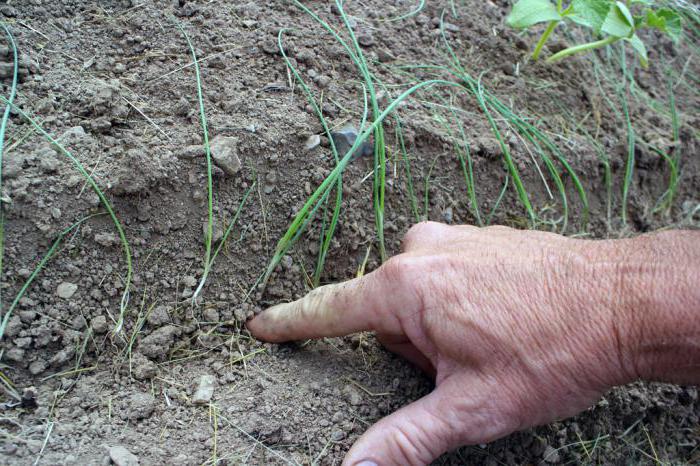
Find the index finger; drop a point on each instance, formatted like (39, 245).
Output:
(370, 302)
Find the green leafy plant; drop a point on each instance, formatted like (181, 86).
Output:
(612, 20)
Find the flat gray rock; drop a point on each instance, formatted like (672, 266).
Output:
(122, 457)
(205, 390)
(345, 137)
(66, 290)
(224, 151)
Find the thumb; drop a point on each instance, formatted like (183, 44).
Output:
(414, 435)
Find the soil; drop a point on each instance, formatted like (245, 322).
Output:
(187, 384)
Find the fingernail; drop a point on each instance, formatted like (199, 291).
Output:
(366, 463)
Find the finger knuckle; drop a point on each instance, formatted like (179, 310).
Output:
(498, 229)
(421, 232)
(395, 269)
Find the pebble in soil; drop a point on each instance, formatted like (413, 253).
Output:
(344, 139)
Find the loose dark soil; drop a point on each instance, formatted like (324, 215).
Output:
(111, 78)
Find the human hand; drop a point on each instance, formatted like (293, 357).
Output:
(519, 328)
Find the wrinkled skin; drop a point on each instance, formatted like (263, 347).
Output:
(518, 329)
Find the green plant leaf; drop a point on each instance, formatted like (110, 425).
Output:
(640, 48)
(639, 21)
(525, 13)
(666, 21)
(619, 22)
(590, 13)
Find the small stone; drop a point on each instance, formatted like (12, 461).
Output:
(217, 233)
(450, 27)
(210, 315)
(15, 354)
(142, 367)
(508, 69)
(13, 327)
(12, 164)
(159, 343)
(521, 44)
(48, 162)
(122, 457)
(106, 239)
(551, 455)
(73, 135)
(27, 317)
(24, 342)
(190, 152)
(34, 446)
(140, 406)
(557, 46)
(159, 316)
(8, 11)
(337, 435)
(489, 147)
(100, 124)
(205, 390)
(385, 56)
(344, 140)
(422, 19)
(66, 290)
(447, 215)
(189, 281)
(239, 314)
(99, 325)
(224, 151)
(312, 142)
(63, 356)
(38, 366)
(365, 39)
(353, 395)
(29, 397)
(79, 322)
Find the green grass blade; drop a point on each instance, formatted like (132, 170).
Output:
(475, 88)
(407, 170)
(673, 162)
(326, 233)
(231, 224)
(629, 164)
(464, 156)
(498, 200)
(510, 164)
(666, 200)
(631, 138)
(42, 263)
(410, 14)
(3, 129)
(207, 151)
(89, 179)
(311, 204)
(379, 145)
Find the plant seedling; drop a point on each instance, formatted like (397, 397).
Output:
(612, 20)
